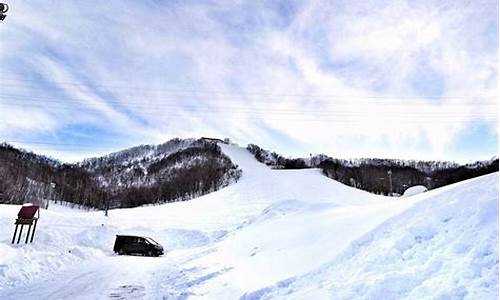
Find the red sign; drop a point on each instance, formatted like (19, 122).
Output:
(27, 212)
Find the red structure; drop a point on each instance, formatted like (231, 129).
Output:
(26, 216)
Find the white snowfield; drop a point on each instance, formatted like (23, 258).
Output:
(275, 234)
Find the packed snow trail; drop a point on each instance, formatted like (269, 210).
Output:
(119, 277)
(273, 233)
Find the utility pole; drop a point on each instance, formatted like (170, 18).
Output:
(390, 182)
(106, 201)
(107, 207)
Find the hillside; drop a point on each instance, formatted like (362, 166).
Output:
(173, 171)
(371, 174)
(444, 247)
(292, 234)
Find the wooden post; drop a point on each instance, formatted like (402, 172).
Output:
(390, 182)
(107, 204)
(20, 233)
(33, 233)
(15, 232)
(27, 234)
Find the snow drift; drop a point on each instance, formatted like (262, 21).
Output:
(445, 247)
(414, 190)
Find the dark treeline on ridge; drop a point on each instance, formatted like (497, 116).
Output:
(174, 171)
(182, 169)
(372, 174)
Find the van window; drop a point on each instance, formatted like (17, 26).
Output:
(151, 241)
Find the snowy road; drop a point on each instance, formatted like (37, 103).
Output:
(110, 278)
(121, 277)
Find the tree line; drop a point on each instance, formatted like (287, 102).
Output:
(174, 171)
(371, 174)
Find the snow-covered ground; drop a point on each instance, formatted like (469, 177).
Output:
(284, 234)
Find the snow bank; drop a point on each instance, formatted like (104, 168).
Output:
(414, 190)
(445, 247)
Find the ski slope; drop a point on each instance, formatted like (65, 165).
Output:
(275, 234)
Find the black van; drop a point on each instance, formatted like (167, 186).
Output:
(130, 244)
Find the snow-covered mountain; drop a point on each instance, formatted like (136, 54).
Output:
(179, 169)
(274, 234)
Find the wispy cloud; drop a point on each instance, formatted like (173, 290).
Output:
(373, 78)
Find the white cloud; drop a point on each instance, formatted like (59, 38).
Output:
(258, 74)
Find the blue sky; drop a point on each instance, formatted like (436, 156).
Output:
(398, 79)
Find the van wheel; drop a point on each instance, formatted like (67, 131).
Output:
(150, 253)
(121, 252)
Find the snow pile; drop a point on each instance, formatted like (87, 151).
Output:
(290, 234)
(446, 247)
(414, 190)
(63, 238)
